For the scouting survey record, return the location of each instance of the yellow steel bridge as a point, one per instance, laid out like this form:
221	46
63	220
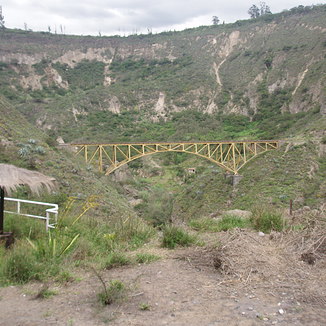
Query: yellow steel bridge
230	155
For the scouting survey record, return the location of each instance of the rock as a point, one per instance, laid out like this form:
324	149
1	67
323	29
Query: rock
238	213
60	140
261	234
135	202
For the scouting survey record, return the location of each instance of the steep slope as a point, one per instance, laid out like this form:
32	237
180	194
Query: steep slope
264	69
22	144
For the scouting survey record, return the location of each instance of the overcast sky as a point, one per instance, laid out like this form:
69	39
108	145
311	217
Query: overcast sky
110	17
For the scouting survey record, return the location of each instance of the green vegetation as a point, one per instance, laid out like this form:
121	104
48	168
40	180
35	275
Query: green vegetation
253	95
216	225
258	78
144	306
37	256
85	75
173	236
267	220
116	259
19	266
145	258
45	293
114	292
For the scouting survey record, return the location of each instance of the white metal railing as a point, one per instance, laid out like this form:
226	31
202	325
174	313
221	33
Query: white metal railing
53	210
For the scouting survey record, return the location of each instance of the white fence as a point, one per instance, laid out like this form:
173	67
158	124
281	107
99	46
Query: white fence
51	214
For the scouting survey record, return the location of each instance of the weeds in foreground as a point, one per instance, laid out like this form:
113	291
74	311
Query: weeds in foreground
227	222
116	259
65	277
144	306
20	266
230	222
37	255
267	220
145	258
45	293
115	291
173	236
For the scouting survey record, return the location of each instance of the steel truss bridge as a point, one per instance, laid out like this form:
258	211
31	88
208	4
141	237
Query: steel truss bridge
229	155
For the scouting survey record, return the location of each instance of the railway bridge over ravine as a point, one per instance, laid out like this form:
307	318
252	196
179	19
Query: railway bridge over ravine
229	155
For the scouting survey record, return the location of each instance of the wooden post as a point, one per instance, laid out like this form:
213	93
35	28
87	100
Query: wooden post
6	236
291	206
2	208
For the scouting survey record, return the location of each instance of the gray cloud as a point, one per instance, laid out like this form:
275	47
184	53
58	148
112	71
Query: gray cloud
112	16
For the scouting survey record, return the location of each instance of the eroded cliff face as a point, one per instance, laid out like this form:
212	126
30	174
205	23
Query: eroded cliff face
240	69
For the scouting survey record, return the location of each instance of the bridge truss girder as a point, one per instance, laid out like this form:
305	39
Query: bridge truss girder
230	155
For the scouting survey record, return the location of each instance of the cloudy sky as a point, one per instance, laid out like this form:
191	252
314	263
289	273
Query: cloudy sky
109	17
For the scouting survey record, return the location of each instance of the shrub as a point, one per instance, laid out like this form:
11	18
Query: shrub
116	259
133	231
39	150
115	292
20	266
173	236
266	221
23	227
24	152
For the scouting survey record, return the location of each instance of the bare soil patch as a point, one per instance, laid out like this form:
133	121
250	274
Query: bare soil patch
247	280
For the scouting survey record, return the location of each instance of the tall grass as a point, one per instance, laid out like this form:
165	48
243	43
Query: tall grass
173	236
267	220
77	240
227	222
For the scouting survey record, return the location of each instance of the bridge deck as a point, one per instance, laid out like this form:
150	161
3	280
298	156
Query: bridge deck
231	155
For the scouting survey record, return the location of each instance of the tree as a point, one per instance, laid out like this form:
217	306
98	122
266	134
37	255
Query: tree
255	11
215	20
2	19
264	9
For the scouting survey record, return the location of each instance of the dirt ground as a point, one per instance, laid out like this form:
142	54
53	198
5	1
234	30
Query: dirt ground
247	280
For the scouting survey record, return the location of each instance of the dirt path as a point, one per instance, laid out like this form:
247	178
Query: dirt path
190	286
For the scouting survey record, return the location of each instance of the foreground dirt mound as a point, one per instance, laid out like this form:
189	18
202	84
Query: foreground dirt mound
248	279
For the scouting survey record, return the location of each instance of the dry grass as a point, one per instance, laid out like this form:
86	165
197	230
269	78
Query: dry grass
289	261
12	177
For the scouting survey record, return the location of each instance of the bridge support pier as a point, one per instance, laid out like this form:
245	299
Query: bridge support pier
234	179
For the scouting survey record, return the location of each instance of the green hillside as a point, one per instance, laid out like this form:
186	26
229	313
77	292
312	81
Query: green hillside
261	78
270	70
23	145
256	79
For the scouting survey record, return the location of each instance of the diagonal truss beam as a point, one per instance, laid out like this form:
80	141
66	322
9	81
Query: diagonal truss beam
230	155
